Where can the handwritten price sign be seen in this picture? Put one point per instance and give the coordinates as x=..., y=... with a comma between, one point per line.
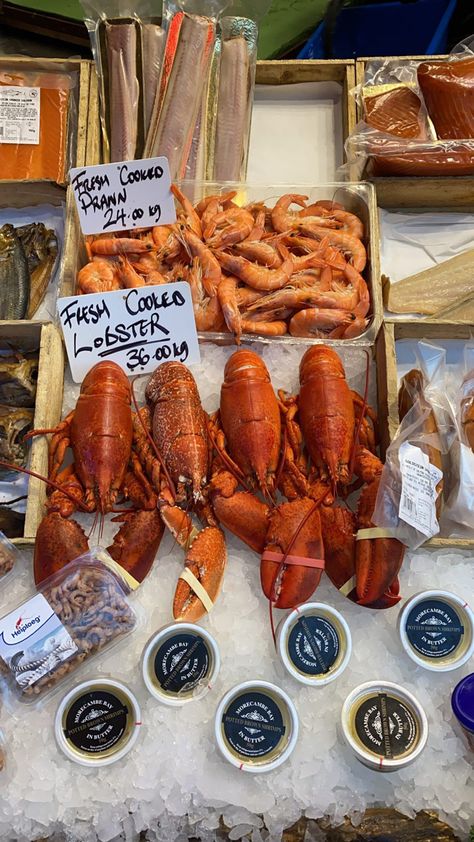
x=121, y=196
x=136, y=328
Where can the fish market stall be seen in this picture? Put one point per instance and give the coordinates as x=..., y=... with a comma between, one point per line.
x=243, y=584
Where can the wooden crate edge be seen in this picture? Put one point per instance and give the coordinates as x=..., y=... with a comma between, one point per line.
x=49, y=396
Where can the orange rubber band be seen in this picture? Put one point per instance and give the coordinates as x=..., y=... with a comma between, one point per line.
x=269, y=555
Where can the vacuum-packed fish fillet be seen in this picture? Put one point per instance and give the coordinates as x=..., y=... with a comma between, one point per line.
x=448, y=89
x=434, y=290
x=434, y=161
x=398, y=112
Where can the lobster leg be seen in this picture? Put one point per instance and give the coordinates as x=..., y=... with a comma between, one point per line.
x=240, y=512
x=59, y=443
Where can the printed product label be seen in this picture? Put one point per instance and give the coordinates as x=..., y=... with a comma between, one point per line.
x=434, y=628
x=418, y=497
x=20, y=114
x=313, y=645
x=253, y=724
x=181, y=662
x=386, y=726
x=96, y=721
x=33, y=641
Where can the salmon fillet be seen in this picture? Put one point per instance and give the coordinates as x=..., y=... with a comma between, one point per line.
x=448, y=89
x=397, y=112
x=47, y=159
x=427, y=162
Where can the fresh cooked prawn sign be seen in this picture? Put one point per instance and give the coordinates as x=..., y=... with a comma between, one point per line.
x=123, y=195
x=137, y=328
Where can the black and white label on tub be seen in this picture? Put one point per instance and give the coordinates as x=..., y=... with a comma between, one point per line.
x=253, y=724
x=181, y=662
x=434, y=628
x=386, y=726
x=313, y=645
x=137, y=328
x=96, y=721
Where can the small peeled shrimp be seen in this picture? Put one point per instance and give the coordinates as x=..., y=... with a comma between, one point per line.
x=211, y=270
x=97, y=276
x=191, y=217
x=119, y=245
x=226, y=293
x=312, y=320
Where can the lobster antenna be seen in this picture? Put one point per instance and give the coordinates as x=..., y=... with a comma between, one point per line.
x=151, y=441
x=78, y=503
x=361, y=416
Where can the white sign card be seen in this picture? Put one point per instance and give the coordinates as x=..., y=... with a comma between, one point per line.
x=137, y=328
x=123, y=195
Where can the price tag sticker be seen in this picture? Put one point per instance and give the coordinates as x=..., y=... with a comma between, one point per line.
x=137, y=328
x=123, y=195
x=419, y=493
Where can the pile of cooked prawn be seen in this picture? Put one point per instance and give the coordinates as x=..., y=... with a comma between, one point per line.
x=252, y=269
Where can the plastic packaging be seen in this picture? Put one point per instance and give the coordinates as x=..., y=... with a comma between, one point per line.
x=418, y=118
x=437, y=630
x=9, y=556
x=314, y=643
x=462, y=703
x=256, y=726
x=384, y=725
x=38, y=122
x=97, y=722
x=77, y=612
x=412, y=477
x=180, y=663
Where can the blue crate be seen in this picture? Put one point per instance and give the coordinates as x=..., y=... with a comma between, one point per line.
x=386, y=29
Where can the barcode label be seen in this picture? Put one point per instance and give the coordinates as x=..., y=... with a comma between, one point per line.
x=418, y=496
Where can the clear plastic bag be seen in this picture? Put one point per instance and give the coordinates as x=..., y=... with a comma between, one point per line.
x=418, y=118
x=458, y=517
x=413, y=475
x=38, y=133
x=79, y=611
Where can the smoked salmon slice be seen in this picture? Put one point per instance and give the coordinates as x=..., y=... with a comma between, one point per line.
x=398, y=112
x=46, y=159
x=448, y=89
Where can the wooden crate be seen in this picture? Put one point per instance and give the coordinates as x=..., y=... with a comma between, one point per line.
x=75, y=254
x=416, y=192
x=87, y=116
x=390, y=333
x=44, y=336
x=312, y=70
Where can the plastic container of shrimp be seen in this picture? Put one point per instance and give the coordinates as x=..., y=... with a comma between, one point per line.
x=78, y=612
x=356, y=198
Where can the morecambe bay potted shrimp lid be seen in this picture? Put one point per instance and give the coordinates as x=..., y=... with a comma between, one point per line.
x=256, y=726
x=97, y=722
x=385, y=726
x=180, y=663
x=437, y=630
x=314, y=643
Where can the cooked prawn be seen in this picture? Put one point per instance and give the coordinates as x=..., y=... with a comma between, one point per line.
x=257, y=276
x=211, y=270
x=259, y=252
x=128, y=276
x=232, y=226
x=264, y=328
x=119, y=245
x=97, y=276
x=191, y=216
x=344, y=242
x=226, y=293
x=282, y=218
x=312, y=320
